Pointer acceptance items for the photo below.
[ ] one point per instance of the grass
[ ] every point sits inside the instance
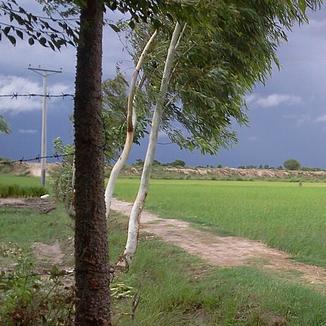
(283, 215)
(25, 226)
(19, 191)
(20, 186)
(24, 181)
(176, 288)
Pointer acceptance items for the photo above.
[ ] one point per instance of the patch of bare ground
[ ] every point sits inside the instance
(48, 254)
(56, 256)
(34, 169)
(42, 205)
(228, 251)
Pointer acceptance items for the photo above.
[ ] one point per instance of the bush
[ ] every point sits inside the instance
(178, 163)
(28, 298)
(62, 176)
(292, 164)
(21, 191)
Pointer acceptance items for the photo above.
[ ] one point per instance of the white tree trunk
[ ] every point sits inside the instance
(131, 125)
(138, 205)
(71, 207)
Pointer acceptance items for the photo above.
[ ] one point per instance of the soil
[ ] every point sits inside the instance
(52, 255)
(227, 173)
(248, 173)
(223, 251)
(48, 254)
(35, 168)
(44, 206)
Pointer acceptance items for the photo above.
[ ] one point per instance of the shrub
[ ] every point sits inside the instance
(178, 163)
(28, 298)
(62, 176)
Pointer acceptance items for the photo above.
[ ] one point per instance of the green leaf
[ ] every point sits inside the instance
(132, 24)
(42, 41)
(51, 46)
(3, 126)
(6, 30)
(11, 39)
(115, 28)
(303, 5)
(19, 34)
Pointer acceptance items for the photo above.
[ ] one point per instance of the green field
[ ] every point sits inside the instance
(20, 186)
(8, 179)
(283, 215)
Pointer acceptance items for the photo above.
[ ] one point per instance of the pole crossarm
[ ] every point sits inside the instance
(40, 70)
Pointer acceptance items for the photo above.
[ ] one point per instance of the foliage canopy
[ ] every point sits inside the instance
(292, 164)
(215, 69)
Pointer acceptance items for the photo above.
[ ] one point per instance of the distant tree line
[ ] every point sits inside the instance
(176, 163)
(290, 164)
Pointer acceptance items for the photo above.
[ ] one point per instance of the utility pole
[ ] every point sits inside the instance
(45, 73)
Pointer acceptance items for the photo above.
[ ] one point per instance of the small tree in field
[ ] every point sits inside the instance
(178, 163)
(292, 164)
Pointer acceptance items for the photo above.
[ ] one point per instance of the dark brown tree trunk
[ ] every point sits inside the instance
(91, 248)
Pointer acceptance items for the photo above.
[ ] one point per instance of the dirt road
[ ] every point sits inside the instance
(223, 251)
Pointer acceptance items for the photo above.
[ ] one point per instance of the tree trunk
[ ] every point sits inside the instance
(91, 243)
(131, 125)
(134, 220)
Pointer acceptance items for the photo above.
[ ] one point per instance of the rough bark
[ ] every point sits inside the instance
(91, 248)
(134, 220)
(131, 125)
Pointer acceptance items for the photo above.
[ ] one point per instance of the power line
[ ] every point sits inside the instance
(39, 157)
(15, 95)
(52, 156)
(168, 143)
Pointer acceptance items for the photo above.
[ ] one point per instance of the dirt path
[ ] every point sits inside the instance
(223, 251)
(44, 206)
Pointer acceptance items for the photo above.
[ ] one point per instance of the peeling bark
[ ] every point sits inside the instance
(131, 125)
(134, 220)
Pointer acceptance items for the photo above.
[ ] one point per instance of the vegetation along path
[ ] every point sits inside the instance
(224, 251)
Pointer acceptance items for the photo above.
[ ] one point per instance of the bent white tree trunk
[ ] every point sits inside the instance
(134, 220)
(131, 125)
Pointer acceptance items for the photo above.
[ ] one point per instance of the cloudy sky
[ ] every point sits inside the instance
(287, 115)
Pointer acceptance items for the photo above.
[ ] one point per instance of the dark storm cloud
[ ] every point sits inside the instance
(287, 115)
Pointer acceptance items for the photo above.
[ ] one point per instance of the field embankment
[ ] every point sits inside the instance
(227, 174)
(24, 168)
(170, 172)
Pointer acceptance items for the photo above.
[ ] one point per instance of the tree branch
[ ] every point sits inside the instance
(131, 124)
